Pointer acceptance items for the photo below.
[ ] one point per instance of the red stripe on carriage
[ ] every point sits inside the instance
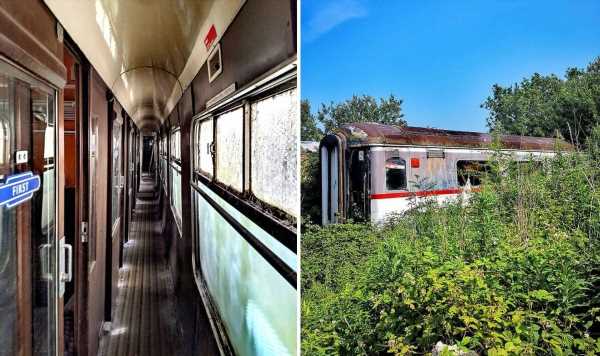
(424, 193)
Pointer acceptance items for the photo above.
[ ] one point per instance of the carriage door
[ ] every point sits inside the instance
(31, 276)
(116, 222)
(358, 185)
(330, 180)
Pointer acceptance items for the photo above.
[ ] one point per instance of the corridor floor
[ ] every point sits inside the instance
(144, 321)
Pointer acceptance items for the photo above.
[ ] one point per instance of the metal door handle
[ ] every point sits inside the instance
(68, 276)
(45, 250)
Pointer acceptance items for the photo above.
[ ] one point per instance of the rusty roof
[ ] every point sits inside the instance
(369, 133)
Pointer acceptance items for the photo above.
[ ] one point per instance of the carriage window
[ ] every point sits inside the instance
(395, 173)
(175, 145)
(471, 172)
(229, 148)
(205, 146)
(274, 138)
(253, 143)
(160, 157)
(162, 160)
(164, 163)
(175, 170)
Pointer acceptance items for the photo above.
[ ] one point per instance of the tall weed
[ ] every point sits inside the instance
(514, 271)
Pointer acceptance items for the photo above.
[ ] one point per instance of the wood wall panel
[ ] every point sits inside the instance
(28, 37)
(98, 107)
(70, 165)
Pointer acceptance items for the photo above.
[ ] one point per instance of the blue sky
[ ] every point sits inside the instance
(441, 57)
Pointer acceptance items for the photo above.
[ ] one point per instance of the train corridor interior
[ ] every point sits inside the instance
(157, 132)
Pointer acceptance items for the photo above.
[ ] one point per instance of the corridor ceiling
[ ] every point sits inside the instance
(146, 51)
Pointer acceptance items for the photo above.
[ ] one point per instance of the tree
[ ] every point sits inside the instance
(363, 108)
(593, 144)
(542, 105)
(309, 129)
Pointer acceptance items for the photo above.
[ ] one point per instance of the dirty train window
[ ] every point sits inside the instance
(229, 148)
(274, 133)
(205, 147)
(176, 174)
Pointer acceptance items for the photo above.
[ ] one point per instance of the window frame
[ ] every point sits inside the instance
(164, 157)
(282, 217)
(174, 162)
(200, 184)
(406, 174)
(195, 145)
(278, 223)
(469, 178)
(245, 147)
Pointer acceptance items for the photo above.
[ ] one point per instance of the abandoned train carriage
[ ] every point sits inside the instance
(370, 171)
(142, 206)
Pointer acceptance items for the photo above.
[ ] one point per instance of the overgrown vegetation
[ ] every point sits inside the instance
(543, 104)
(515, 271)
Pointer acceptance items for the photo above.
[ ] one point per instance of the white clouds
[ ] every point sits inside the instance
(331, 14)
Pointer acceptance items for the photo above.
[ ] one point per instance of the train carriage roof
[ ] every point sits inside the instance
(361, 134)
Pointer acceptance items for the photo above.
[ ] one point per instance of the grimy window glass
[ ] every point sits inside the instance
(229, 148)
(274, 136)
(395, 173)
(176, 174)
(205, 147)
(175, 145)
(164, 163)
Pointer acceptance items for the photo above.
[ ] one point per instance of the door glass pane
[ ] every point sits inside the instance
(43, 224)
(8, 226)
(116, 175)
(30, 223)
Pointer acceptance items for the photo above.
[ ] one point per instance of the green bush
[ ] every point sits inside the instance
(514, 271)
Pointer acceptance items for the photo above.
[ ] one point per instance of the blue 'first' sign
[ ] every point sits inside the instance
(18, 189)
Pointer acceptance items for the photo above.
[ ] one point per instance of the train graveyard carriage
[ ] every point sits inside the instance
(371, 171)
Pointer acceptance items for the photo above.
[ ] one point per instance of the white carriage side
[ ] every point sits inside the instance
(371, 171)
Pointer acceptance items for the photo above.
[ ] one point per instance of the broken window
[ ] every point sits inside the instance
(471, 172)
(395, 173)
